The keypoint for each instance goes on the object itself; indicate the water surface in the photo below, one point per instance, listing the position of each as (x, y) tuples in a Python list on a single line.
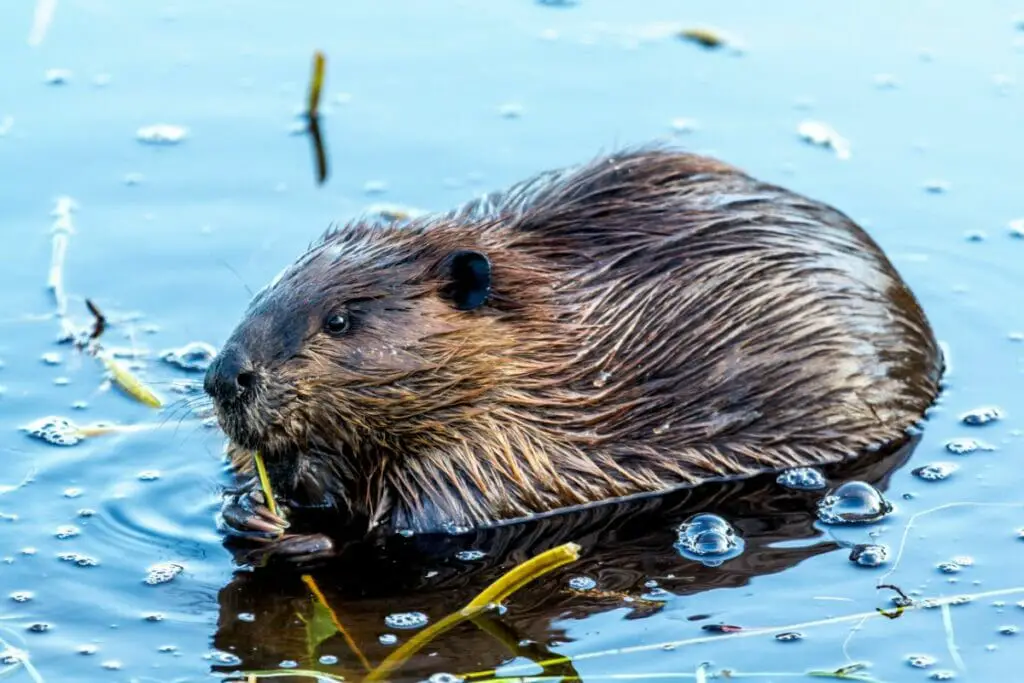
[(426, 105)]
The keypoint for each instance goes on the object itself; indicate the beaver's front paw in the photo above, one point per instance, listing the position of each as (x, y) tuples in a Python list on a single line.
[(298, 548), (244, 514)]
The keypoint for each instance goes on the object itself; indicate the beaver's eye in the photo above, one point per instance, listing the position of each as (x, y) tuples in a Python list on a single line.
[(337, 325)]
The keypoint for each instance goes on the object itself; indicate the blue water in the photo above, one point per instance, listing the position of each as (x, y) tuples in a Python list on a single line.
[(416, 99)]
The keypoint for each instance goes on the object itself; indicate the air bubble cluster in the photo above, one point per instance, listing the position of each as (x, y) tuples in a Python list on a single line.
[(708, 539), (802, 479), (193, 357), (406, 620), (58, 431)]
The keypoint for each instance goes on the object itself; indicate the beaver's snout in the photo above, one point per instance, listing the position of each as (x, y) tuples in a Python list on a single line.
[(230, 377)]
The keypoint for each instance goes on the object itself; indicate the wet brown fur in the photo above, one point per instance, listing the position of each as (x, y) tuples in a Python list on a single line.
[(657, 319)]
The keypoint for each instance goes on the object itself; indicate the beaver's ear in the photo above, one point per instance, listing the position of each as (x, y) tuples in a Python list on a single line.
[(467, 276)]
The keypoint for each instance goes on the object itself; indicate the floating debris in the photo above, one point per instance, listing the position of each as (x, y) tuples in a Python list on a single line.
[(982, 416), (394, 212), (161, 134), (406, 620), (707, 37), (708, 539), (193, 357), (824, 135), (869, 555), (802, 479), (854, 502), (163, 573)]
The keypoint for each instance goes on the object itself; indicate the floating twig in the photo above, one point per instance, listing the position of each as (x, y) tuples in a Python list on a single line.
[(130, 384), (100, 323)]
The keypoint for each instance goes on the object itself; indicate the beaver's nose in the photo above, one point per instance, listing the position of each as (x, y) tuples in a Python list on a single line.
[(229, 375)]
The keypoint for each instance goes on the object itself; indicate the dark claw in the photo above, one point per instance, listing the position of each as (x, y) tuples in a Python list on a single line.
[(297, 548), (243, 514)]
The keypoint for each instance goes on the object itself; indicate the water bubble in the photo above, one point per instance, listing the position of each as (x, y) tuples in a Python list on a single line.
[(936, 186), (86, 512), (824, 135), (682, 126), (163, 572), (248, 617), (510, 110), (452, 529), (802, 479), (112, 665), (582, 583), (55, 430), (132, 179), (854, 502), (708, 539), (288, 664), (963, 446), (387, 639), (149, 475), (167, 648), (226, 658), (406, 620), (161, 134), (975, 235), (328, 660), (445, 678), (38, 627), (86, 649), (72, 492), (921, 661), (869, 555), (1009, 630), (886, 82), (21, 596), (982, 416), (66, 531), (57, 76), (375, 187), (470, 555), (936, 471), (1016, 227), (78, 559), (789, 636), (942, 676), (949, 567), (153, 618), (193, 357)]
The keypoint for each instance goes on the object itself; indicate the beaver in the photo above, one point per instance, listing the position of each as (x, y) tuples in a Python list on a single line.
[(648, 320)]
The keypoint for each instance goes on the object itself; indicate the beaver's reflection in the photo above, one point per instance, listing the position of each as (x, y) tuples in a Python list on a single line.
[(624, 547)]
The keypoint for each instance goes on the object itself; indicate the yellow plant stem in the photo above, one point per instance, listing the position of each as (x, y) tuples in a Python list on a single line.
[(497, 592), (268, 493), (315, 589)]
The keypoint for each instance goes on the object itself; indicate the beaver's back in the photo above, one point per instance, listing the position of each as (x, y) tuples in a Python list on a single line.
[(727, 325)]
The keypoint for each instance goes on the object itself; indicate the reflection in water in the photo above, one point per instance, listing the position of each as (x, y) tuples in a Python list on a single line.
[(268, 615)]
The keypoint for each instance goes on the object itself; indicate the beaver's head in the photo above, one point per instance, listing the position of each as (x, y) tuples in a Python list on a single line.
[(379, 340)]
